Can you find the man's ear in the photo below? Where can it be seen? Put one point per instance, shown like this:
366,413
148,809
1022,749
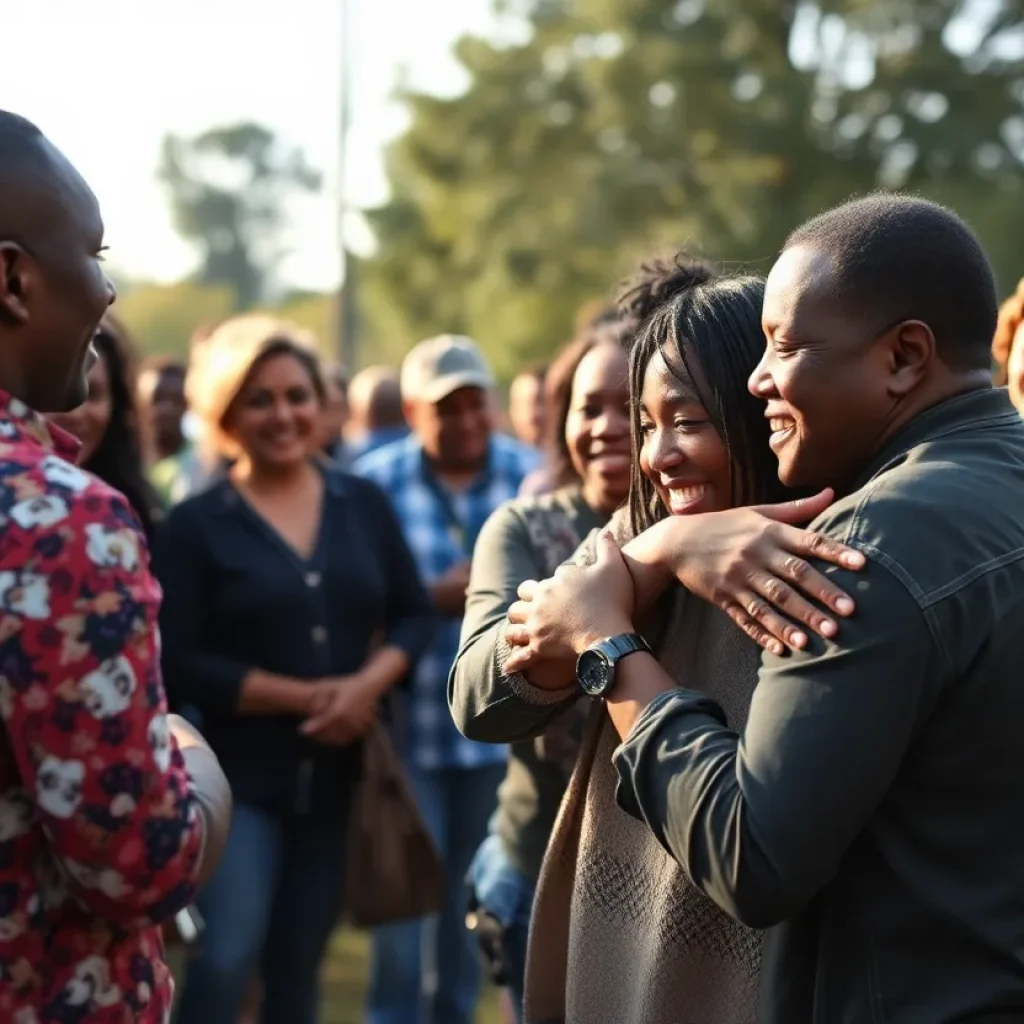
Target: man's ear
17,270
910,354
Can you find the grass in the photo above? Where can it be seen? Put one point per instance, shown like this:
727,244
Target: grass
345,983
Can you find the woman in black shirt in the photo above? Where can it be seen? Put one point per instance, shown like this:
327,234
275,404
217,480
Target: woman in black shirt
291,606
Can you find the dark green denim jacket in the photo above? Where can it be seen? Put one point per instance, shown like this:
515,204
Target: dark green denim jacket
871,815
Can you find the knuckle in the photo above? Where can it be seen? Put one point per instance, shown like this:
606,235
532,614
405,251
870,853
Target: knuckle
736,613
777,592
818,545
796,568
758,608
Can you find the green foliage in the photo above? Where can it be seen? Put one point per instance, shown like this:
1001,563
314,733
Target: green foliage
229,188
625,126
162,317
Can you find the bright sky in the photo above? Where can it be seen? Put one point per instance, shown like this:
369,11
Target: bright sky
107,80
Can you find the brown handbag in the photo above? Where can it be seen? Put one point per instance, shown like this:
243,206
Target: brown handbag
393,869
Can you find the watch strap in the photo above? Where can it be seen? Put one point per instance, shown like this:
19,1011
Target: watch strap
615,648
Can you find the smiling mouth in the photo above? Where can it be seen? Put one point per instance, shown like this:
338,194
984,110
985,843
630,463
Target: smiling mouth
683,500
611,461
782,428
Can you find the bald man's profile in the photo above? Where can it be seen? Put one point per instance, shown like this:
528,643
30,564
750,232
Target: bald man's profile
375,410
112,812
53,291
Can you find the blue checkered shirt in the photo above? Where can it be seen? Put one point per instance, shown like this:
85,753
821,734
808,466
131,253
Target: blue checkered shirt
438,543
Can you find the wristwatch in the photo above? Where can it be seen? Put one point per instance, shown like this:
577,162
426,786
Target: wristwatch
595,668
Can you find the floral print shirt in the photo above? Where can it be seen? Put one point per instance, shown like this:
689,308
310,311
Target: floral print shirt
100,834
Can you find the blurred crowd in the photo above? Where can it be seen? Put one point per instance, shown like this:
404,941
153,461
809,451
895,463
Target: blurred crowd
655,758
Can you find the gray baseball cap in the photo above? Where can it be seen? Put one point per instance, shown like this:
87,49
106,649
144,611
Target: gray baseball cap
437,367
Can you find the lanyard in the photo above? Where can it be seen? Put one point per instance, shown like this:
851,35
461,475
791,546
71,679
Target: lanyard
458,533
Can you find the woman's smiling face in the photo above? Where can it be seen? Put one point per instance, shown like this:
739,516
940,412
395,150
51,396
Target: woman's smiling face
681,452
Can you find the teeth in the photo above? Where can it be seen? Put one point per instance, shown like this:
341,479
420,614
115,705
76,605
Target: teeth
780,423
691,493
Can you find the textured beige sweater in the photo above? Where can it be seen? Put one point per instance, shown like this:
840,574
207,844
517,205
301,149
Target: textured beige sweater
619,934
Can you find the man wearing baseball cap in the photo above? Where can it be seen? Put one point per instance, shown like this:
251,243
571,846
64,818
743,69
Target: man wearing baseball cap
444,480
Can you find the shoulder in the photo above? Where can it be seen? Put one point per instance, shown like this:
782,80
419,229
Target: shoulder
64,523
204,507
548,523
364,491
386,464
936,515
514,456
40,494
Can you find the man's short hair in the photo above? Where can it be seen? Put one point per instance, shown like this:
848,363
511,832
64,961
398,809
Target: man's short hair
901,257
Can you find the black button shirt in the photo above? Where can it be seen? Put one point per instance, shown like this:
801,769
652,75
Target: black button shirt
237,597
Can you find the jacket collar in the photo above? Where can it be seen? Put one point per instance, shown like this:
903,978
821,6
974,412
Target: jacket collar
984,405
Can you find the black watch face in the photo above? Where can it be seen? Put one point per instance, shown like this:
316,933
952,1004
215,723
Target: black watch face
593,673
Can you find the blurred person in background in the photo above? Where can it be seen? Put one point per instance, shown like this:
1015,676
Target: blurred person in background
444,481
112,811
174,469
277,579
107,424
526,405
376,417
1008,347
607,326
335,415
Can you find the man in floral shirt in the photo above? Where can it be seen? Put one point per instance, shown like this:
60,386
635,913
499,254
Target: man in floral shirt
110,811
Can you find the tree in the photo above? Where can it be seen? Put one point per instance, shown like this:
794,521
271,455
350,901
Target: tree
162,317
622,126
229,190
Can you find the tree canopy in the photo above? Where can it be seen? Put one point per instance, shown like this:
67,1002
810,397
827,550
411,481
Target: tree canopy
229,188
625,126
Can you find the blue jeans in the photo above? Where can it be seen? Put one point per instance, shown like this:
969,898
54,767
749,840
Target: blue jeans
507,895
269,909
428,972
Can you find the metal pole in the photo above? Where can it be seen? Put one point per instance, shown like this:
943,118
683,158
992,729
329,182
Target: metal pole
345,312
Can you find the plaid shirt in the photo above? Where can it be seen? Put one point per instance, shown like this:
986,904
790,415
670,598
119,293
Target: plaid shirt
441,527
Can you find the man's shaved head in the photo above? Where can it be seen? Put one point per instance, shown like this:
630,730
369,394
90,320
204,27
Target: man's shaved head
375,399
52,290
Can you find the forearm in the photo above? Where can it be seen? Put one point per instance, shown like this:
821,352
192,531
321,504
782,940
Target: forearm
266,693
639,680
646,557
492,707
385,669
213,794
677,772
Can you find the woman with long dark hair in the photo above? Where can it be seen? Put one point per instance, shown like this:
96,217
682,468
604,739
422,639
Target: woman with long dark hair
107,423
618,932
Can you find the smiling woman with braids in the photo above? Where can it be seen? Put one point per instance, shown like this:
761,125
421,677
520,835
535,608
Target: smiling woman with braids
618,932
